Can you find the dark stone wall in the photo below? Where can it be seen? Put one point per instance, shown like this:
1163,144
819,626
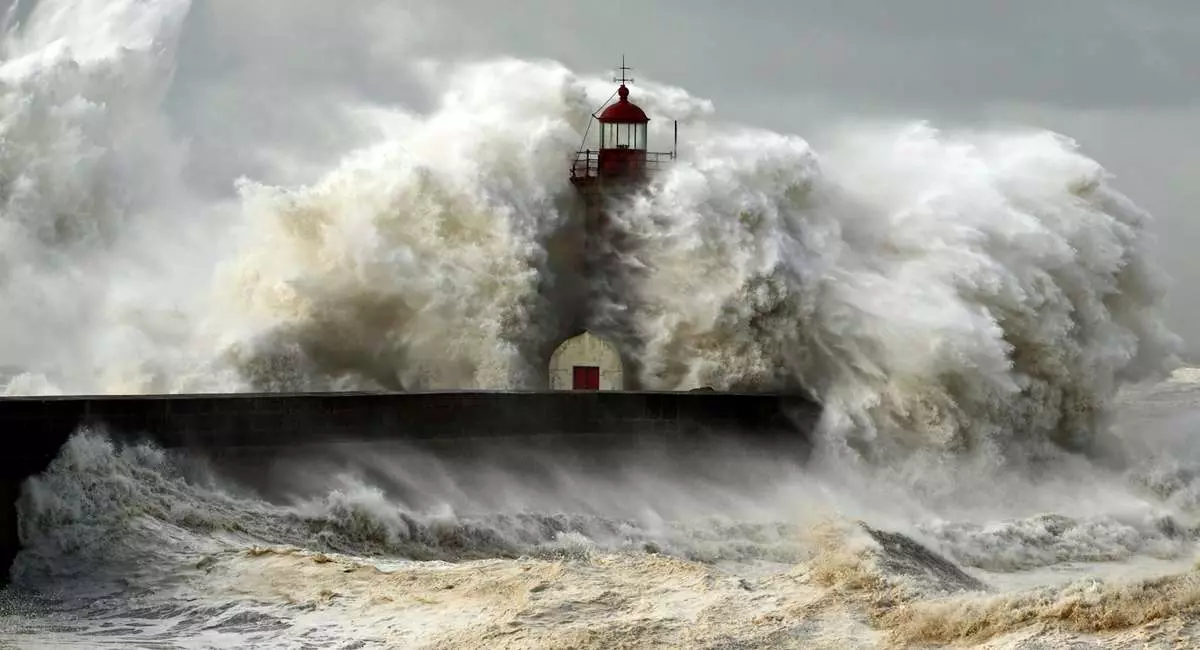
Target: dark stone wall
34,429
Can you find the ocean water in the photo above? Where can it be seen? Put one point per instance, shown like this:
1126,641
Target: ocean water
193,200
133,547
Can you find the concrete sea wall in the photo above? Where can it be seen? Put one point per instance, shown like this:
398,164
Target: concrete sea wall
256,425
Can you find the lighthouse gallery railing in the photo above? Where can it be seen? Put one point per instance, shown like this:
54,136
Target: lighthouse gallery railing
587,163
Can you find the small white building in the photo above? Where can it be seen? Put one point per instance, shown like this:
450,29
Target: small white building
586,362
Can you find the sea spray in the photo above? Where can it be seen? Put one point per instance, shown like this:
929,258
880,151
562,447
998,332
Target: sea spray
951,291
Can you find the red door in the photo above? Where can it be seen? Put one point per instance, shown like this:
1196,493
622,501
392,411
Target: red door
586,378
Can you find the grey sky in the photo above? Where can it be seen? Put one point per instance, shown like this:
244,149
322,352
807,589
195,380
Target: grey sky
1119,76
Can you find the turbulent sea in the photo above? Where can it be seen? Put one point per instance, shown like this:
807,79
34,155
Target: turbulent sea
193,198
128,547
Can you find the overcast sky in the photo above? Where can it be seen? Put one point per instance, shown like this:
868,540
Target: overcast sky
1120,76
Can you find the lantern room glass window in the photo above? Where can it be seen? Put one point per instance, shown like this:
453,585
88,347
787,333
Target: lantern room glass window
623,135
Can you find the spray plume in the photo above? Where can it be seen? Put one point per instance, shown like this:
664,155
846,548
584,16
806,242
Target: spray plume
953,291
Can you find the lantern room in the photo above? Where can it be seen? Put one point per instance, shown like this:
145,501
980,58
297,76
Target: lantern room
622,153
623,125
623,129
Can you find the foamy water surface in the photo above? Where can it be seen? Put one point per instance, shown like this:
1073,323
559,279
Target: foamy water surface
130,548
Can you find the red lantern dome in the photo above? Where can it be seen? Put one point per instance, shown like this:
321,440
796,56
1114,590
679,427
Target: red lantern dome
624,110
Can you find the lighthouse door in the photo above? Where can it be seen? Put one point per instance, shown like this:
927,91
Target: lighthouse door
586,378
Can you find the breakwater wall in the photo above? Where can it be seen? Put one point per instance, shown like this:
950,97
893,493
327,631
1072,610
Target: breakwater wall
34,429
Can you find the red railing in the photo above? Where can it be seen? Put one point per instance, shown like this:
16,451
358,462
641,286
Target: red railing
587,163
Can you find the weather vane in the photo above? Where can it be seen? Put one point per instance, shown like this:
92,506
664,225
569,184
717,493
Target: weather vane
624,68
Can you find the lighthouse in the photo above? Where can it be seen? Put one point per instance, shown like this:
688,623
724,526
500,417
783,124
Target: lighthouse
621,162
605,177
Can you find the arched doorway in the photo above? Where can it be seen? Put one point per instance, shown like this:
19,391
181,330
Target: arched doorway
586,362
